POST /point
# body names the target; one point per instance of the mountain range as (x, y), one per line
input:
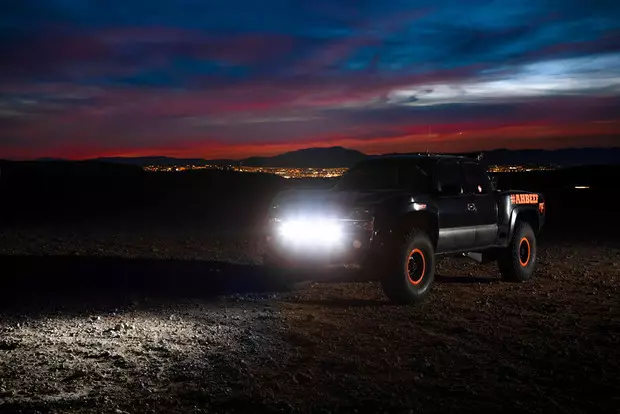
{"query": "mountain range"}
(332, 157)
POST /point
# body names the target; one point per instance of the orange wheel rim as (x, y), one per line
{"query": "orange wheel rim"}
(415, 266)
(524, 251)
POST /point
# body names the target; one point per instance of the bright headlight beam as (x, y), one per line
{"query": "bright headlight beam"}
(313, 231)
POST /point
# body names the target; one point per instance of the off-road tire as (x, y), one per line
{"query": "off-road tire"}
(410, 269)
(517, 261)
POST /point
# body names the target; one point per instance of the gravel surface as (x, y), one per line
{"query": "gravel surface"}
(182, 320)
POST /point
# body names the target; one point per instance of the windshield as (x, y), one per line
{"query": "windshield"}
(385, 174)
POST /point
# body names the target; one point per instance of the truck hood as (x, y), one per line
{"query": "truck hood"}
(331, 202)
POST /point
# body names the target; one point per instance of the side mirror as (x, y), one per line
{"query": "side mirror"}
(450, 189)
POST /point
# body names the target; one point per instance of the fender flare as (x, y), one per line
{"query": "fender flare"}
(393, 230)
(516, 211)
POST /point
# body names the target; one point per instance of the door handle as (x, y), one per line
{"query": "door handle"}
(471, 207)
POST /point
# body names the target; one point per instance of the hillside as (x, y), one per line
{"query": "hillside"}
(343, 157)
(310, 157)
(155, 160)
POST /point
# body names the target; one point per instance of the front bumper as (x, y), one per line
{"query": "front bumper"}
(352, 249)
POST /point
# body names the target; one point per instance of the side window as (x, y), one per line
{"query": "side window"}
(477, 179)
(449, 178)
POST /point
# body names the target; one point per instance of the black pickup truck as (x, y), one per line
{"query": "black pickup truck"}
(392, 215)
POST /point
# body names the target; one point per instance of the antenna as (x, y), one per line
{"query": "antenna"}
(429, 136)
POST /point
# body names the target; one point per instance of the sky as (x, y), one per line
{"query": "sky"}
(237, 78)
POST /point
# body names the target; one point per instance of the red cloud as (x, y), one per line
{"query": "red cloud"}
(121, 121)
(408, 138)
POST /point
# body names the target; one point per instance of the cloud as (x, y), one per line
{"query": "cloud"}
(134, 75)
(586, 76)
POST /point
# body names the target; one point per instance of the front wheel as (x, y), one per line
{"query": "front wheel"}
(518, 260)
(411, 271)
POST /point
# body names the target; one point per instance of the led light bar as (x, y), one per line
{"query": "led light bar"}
(320, 231)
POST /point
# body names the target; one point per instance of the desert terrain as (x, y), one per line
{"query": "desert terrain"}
(150, 313)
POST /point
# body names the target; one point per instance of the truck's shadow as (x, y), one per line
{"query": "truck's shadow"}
(33, 281)
(75, 283)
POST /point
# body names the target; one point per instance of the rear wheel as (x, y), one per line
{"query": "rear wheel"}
(517, 261)
(411, 270)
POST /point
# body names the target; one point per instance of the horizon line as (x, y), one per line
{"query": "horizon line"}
(310, 148)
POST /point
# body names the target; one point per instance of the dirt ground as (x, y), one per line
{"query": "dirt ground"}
(119, 321)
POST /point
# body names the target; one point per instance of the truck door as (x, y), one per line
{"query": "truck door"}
(484, 203)
(457, 221)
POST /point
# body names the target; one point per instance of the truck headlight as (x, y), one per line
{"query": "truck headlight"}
(325, 232)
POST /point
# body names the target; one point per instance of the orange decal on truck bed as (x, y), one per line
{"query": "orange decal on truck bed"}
(524, 198)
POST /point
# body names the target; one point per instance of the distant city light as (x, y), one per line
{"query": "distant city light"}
(519, 168)
(281, 171)
(582, 187)
(291, 172)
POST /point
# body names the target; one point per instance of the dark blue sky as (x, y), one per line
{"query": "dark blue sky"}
(234, 78)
